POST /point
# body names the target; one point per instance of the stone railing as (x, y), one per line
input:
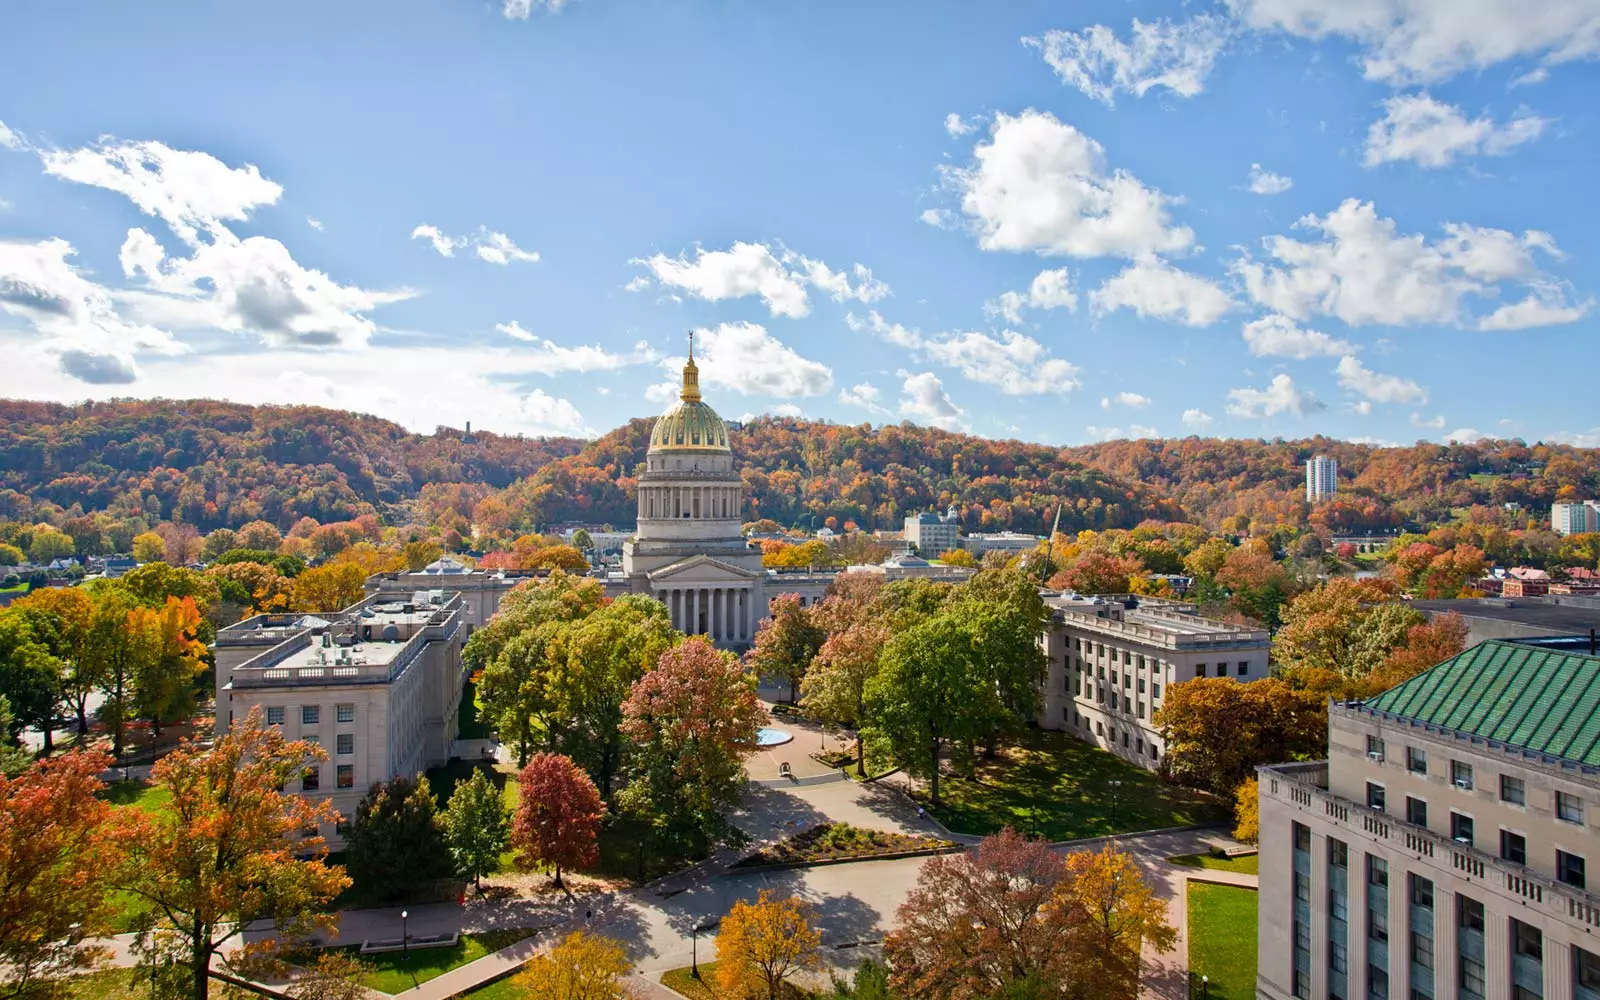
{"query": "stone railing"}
(1304, 786)
(1231, 637)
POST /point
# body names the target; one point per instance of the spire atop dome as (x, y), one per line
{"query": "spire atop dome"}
(691, 376)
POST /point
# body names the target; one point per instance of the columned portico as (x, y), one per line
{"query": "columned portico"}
(718, 609)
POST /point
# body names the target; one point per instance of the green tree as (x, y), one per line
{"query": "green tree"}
(10, 555)
(32, 676)
(476, 827)
(582, 541)
(71, 611)
(835, 688)
(786, 642)
(49, 545)
(395, 841)
(119, 654)
(14, 759)
(149, 547)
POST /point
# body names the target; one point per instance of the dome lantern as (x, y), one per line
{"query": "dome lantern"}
(690, 425)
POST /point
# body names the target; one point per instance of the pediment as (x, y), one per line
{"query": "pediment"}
(702, 569)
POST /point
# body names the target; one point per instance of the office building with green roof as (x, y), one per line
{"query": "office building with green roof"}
(1441, 851)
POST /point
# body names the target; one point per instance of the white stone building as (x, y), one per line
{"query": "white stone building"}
(1441, 851)
(933, 534)
(1113, 658)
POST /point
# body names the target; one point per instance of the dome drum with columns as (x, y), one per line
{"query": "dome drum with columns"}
(689, 551)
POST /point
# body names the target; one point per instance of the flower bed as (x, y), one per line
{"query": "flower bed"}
(841, 842)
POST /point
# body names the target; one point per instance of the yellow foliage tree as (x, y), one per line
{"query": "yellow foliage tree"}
(329, 588)
(958, 557)
(1124, 916)
(582, 967)
(149, 547)
(1246, 812)
(762, 944)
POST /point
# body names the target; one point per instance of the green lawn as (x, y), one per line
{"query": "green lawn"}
(1222, 939)
(108, 984)
(500, 989)
(470, 724)
(139, 794)
(1248, 864)
(1053, 785)
(704, 988)
(394, 972)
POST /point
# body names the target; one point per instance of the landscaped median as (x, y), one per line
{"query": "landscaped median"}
(396, 971)
(835, 843)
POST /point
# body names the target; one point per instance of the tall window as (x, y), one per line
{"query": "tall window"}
(310, 715)
(311, 778)
(1375, 748)
(1512, 790)
(1460, 828)
(1416, 810)
(1513, 847)
(1569, 869)
(1585, 975)
(1527, 961)
(347, 713)
(1569, 807)
(1421, 897)
(1416, 760)
(1302, 912)
(1338, 920)
(1377, 928)
(1375, 796)
(1469, 947)
(1461, 774)
(274, 715)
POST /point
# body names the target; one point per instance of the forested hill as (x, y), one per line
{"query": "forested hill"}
(214, 464)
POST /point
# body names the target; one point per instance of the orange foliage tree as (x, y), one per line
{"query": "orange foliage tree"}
(57, 850)
(558, 815)
(329, 588)
(761, 944)
(229, 849)
(1217, 730)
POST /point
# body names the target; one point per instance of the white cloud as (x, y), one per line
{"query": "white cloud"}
(1533, 76)
(923, 400)
(1134, 432)
(489, 246)
(746, 358)
(550, 358)
(77, 319)
(1433, 134)
(865, 395)
(663, 392)
(1376, 386)
(787, 410)
(1435, 422)
(956, 127)
(1465, 435)
(315, 224)
(1130, 399)
(938, 218)
(1280, 396)
(1015, 364)
(1418, 41)
(1177, 56)
(1038, 184)
(1266, 182)
(518, 10)
(1152, 287)
(778, 279)
(1012, 362)
(637, 284)
(1365, 272)
(1048, 290)
(1277, 336)
(1196, 418)
(188, 190)
(11, 140)
(1546, 305)
(1580, 439)
(1362, 408)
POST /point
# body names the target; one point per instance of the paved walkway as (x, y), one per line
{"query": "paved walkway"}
(855, 903)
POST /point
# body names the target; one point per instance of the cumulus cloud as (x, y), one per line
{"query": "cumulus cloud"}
(923, 400)
(1435, 422)
(865, 395)
(1012, 362)
(1280, 396)
(1266, 182)
(1364, 271)
(1038, 184)
(956, 127)
(1419, 41)
(518, 10)
(489, 246)
(1578, 439)
(1547, 305)
(1049, 290)
(1134, 431)
(1433, 134)
(550, 358)
(938, 218)
(1465, 435)
(1376, 386)
(77, 320)
(779, 278)
(746, 358)
(1196, 418)
(1130, 399)
(11, 140)
(1278, 336)
(1152, 287)
(1175, 55)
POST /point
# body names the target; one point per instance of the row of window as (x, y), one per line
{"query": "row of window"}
(310, 715)
(344, 776)
(1525, 942)
(1513, 791)
(1130, 740)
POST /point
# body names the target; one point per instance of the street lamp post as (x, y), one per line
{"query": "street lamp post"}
(405, 938)
(1205, 988)
(1114, 786)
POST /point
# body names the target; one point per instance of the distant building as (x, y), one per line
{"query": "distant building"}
(1441, 850)
(1112, 658)
(999, 541)
(1522, 618)
(1575, 518)
(931, 533)
(1322, 478)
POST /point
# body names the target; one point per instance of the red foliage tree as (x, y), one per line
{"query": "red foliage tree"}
(558, 817)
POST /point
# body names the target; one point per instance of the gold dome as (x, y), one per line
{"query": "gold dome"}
(690, 425)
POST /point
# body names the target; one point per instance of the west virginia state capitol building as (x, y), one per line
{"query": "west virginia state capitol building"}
(689, 551)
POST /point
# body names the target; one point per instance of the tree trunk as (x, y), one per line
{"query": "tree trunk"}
(933, 775)
(558, 877)
(82, 706)
(49, 745)
(861, 757)
(202, 972)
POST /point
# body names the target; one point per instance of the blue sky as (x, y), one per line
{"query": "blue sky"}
(1060, 222)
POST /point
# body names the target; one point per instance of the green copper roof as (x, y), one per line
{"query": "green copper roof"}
(1543, 700)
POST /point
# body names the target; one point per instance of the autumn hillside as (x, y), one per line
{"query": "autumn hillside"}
(215, 464)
